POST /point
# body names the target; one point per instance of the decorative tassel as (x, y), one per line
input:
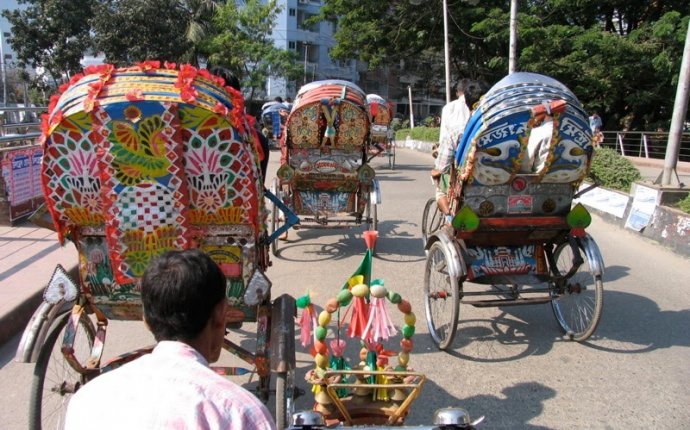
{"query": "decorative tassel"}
(360, 309)
(381, 394)
(308, 321)
(380, 322)
(338, 363)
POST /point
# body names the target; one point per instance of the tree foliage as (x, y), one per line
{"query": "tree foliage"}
(620, 57)
(129, 31)
(51, 35)
(240, 42)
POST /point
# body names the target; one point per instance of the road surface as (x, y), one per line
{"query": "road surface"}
(510, 364)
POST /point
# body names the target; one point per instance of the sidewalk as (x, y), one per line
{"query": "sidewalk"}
(28, 256)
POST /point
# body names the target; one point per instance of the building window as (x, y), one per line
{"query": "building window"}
(6, 34)
(310, 49)
(8, 56)
(292, 11)
(291, 45)
(303, 16)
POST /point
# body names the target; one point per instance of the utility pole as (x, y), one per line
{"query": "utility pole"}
(512, 54)
(3, 69)
(409, 96)
(680, 108)
(306, 51)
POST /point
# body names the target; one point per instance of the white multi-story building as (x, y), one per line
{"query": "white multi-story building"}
(311, 43)
(8, 58)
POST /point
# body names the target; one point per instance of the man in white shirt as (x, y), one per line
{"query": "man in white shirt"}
(454, 117)
(183, 294)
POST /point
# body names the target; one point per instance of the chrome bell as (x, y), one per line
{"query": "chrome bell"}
(308, 420)
(454, 418)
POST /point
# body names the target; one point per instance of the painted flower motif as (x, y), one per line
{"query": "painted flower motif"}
(132, 113)
(92, 202)
(170, 65)
(208, 200)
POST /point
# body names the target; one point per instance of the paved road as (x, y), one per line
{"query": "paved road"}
(509, 363)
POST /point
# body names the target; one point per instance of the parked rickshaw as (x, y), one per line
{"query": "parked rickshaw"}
(138, 161)
(381, 141)
(523, 155)
(273, 117)
(324, 177)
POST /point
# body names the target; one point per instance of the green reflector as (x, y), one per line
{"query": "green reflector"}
(466, 220)
(579, 217)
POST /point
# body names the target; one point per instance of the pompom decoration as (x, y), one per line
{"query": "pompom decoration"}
(307, 320)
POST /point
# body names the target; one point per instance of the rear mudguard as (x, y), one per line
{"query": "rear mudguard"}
(593, 255)
(457, 266)
(37, 329)
(58, 298)
(282, 343)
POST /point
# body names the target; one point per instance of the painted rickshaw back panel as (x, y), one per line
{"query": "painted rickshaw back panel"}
(143, 160)
(525, 150)
(326, 138)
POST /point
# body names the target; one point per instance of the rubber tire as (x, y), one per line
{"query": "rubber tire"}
(436, 258)
(48, 355)
(575, 323)
(285, 398)
(432, 219)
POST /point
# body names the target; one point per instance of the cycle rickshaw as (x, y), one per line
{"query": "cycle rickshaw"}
(514, 231)
(324, 177)
(380, 116)
(138, 161)
(273, 121)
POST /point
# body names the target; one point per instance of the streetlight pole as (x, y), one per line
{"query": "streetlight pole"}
(446, 49)
(512, 54)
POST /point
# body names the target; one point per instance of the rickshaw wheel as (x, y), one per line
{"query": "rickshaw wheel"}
(441, 296)
(285, 398)
(275, 216)
(54, 380)
(432, 219)
(579, 306)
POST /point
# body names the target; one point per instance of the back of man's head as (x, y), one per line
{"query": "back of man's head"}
(179, 291)
(473, 92)
(230, 79)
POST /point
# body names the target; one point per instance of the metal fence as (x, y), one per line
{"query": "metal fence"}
(645, 144)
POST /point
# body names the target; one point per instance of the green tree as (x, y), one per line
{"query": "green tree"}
(128, 31)
(51, 35)
(241, 43)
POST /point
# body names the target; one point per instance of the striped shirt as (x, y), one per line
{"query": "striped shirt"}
(454, 117)
(171, 388)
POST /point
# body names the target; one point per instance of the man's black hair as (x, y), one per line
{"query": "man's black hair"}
(473, 91)
(278, 99)
(179, 291)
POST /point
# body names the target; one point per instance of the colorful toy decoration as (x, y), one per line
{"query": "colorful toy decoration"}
(374, 391)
